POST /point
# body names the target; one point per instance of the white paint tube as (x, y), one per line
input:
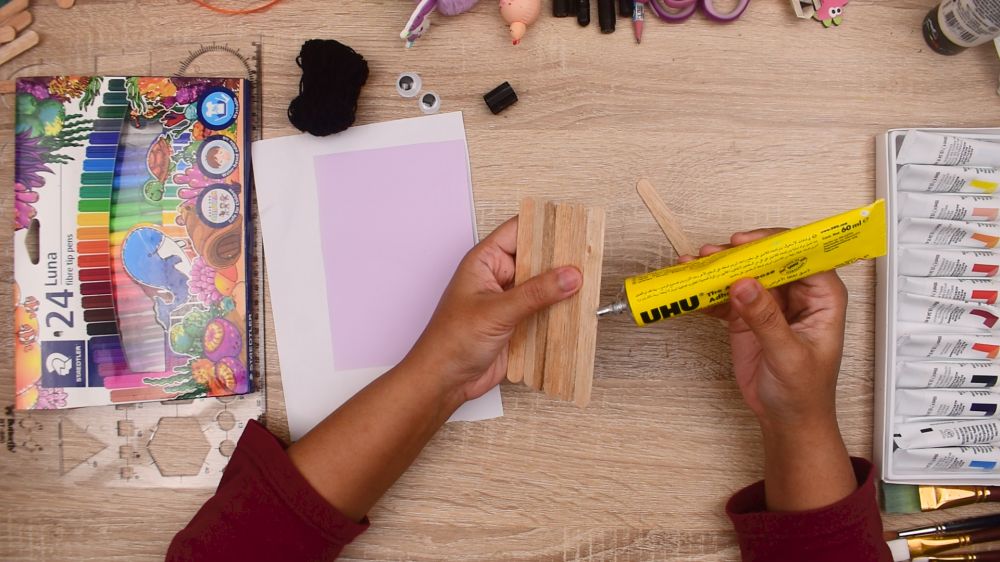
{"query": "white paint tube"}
(972, 208)
(936, 374)
(947, 403)
(940, 262)
(982, 458)
(947, 179)
(950, 433)
(929, 232)
(971, 347)
(985, 291)
(921, 147)
(953, 314)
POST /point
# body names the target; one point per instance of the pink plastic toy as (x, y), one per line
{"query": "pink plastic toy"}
(519, 14)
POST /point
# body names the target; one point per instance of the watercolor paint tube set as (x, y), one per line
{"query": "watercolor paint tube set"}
(937, 401)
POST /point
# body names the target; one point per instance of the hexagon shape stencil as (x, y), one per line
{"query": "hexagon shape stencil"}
(179, 446)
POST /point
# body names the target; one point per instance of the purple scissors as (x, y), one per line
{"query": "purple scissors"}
(675, 11)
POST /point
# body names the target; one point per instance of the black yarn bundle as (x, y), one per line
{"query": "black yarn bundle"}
(332, 77)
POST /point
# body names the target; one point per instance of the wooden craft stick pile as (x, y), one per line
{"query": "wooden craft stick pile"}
(14, 18)
(554, 350)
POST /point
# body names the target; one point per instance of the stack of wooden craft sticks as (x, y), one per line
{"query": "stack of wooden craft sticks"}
(14, 40)
(554, 350)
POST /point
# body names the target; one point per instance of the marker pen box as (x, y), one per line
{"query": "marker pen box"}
(929, 270)
(131, 240)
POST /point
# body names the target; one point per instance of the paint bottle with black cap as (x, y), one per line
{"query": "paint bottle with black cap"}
(955, 25)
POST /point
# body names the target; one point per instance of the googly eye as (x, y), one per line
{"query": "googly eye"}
(408, 84)
(429, 103)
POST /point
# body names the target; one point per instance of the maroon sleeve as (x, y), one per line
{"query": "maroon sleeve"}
(264, 510)
(850, 529)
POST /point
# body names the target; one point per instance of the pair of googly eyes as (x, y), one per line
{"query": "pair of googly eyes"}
(408, 85)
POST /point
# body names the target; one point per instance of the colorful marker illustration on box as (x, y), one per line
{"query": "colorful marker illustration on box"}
(134, 189)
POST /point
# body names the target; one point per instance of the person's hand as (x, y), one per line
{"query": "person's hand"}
(786, 343)
(465, 342)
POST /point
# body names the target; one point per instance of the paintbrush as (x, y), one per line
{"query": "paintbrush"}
(904, 498)
(988, 556)
(907, 548)
(954, 526)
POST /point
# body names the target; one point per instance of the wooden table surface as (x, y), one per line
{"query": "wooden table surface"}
(768, 121)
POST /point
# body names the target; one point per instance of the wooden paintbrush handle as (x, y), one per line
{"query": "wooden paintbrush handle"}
(984, 535)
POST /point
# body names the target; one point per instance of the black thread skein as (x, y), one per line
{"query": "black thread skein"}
(332, 77)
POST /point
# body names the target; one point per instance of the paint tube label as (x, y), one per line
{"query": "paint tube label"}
(936, 374)
(955, 314)
(964, 347)
(778, 259)
(972, 208)
(984, 291)
(921, 147)
(947, 179)
(981, 458)
(928, 262)
(929, 232)
(947, 403)
(950, 433)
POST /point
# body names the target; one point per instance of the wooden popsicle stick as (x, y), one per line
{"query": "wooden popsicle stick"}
(528, 259)
(8, 86)
(25, 41)
(569, 248)
(19, 21)
(666, 219)
(590, 296)
(12, 7)
(542, 318)
(7, 34)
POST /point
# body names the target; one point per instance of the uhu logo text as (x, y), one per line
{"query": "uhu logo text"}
(673, 309)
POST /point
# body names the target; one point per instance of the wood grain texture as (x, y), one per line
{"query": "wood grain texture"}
(589, 295)
(669, 223)
(765, 122)
(568, 248)
(527, 264)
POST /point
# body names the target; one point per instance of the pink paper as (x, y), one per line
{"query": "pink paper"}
(394, 223)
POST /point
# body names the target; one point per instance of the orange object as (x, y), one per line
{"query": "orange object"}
(519, 14)
(227, 11)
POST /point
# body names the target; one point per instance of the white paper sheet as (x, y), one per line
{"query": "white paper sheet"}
(289, 206)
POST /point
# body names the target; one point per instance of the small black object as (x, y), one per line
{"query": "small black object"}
(625, 8)
(500, 98)
(560, 8)
(583, 12)
(606, 15)
(332, 77)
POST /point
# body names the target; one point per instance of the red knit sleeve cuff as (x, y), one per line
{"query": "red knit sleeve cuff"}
(268, 455)
(850, 529)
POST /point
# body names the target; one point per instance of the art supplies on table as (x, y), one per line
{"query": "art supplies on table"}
(130, 265)
(937, 401)
(362, 231)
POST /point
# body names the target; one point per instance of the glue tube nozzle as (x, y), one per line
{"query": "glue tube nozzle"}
(613, 308)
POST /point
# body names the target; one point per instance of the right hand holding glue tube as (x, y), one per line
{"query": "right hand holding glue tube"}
(787, 345)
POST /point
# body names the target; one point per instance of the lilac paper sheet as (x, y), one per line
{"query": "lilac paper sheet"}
(394, 223)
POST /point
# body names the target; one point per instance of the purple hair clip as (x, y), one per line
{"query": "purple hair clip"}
(420, 20)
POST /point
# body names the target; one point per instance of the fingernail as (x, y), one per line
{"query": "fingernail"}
(569, 279)
(745, 293)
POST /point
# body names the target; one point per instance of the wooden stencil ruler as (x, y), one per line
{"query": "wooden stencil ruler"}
(180, 444)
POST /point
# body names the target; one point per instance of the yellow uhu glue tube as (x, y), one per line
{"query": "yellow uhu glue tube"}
(778, 259)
